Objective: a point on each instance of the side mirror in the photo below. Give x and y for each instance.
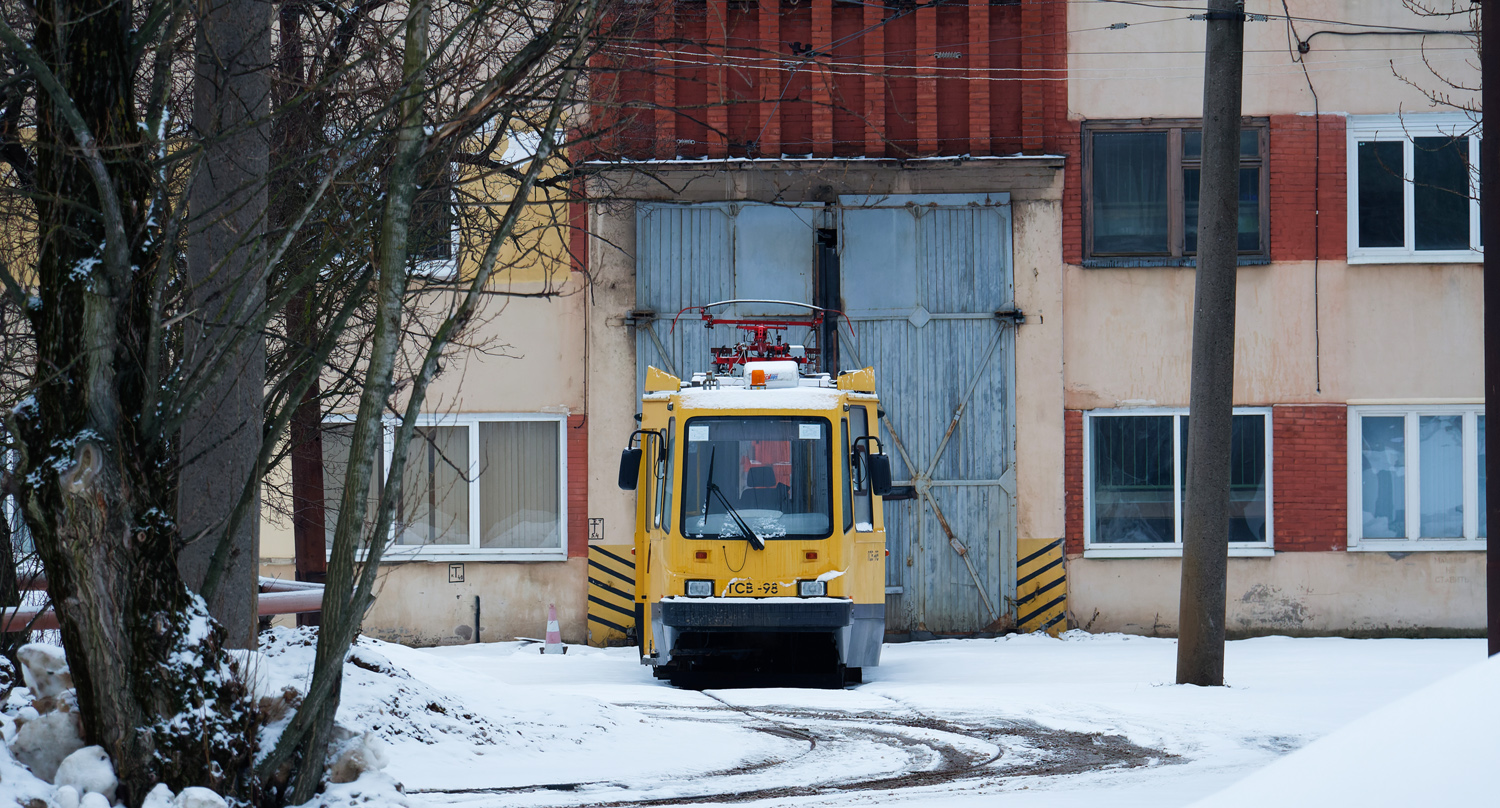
(901, 492)
(880, 474)
(630, 469)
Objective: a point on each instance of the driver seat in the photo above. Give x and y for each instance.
(761, 489)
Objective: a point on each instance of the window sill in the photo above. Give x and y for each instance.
(1418, 546)
(1435, 257)
(1141, 262)
(1170, 551)
(420, 555)
(439, 270)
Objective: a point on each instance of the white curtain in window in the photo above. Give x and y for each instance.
(435, 507)
(518, 485)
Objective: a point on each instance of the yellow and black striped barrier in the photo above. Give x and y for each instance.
(1041, 586)
(611, 595)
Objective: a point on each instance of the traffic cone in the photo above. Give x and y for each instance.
(554, 643)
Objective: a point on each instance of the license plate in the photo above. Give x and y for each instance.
(758, 589)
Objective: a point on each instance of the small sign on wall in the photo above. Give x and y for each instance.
(596, 528)
(456, 573)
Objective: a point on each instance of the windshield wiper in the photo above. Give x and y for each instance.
(748, 532)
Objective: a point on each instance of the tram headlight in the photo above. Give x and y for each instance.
(812, 589)
(700, 589)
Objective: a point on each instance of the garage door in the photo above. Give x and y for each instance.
(922, 279)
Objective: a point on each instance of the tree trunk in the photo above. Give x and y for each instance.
(293, 139)
(222, 436)
(152, 684)
(1205, 531)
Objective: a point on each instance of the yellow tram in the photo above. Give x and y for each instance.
(759, 542)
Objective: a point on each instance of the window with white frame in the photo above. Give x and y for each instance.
(1416, 478)
(1134, 469)
(1413, 188)
(487, 486)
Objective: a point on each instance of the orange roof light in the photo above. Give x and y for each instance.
(757, 378)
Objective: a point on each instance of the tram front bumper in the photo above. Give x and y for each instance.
(857, 629)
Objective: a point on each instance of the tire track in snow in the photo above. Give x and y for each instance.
(897, 752)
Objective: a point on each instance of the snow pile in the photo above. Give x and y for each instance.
(381, 697)
(45, 712)
(1437, 745)
(88, 771)
(377, 696)
(43, 761)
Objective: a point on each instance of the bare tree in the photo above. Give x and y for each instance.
(130, 346)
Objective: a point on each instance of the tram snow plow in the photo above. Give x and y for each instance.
(759, 540)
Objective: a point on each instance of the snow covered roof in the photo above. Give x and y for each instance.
(735, 398)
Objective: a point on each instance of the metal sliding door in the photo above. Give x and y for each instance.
(923, 278)
(689, 255)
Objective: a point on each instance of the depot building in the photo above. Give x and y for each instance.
(1004, 213)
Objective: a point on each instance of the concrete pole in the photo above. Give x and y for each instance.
(222, 437)
(1205, 532)
(1489, 223)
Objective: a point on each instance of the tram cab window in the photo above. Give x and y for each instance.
(859, 427)
(774, 471)
(847, 488)
(662, 466)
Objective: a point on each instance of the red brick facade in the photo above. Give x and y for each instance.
(1309, 477)
(773, 77)
(1306, 208)
(1073, 481)
(578, 486)
(1307, 192)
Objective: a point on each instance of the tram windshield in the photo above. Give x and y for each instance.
(774, 473)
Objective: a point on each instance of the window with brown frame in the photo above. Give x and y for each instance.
(1140, 192)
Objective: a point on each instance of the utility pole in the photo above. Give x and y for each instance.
(1205, 532)
(1489, 224)
(226, 276)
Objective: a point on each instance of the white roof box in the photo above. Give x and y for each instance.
(780, 373)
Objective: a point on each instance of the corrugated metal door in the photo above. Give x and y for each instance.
(689, 255)
(922, 278)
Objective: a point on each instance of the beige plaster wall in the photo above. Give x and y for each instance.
(1372, 332)
(532, 358)
(613, 399)
(1039, 368)
(416, 605)
(1163, 76)
(1339, 593)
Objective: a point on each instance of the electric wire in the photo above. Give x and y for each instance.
(1291, 30)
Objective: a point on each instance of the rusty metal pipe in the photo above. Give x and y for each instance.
(291, 601)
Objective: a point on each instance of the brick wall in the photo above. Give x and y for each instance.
(1072, 225)
(1073, 481)
(732, 79)
(578, 486)
(1309, 477)
(1308, 176)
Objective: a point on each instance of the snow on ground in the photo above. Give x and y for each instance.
(1019, 721)
(611, 723)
